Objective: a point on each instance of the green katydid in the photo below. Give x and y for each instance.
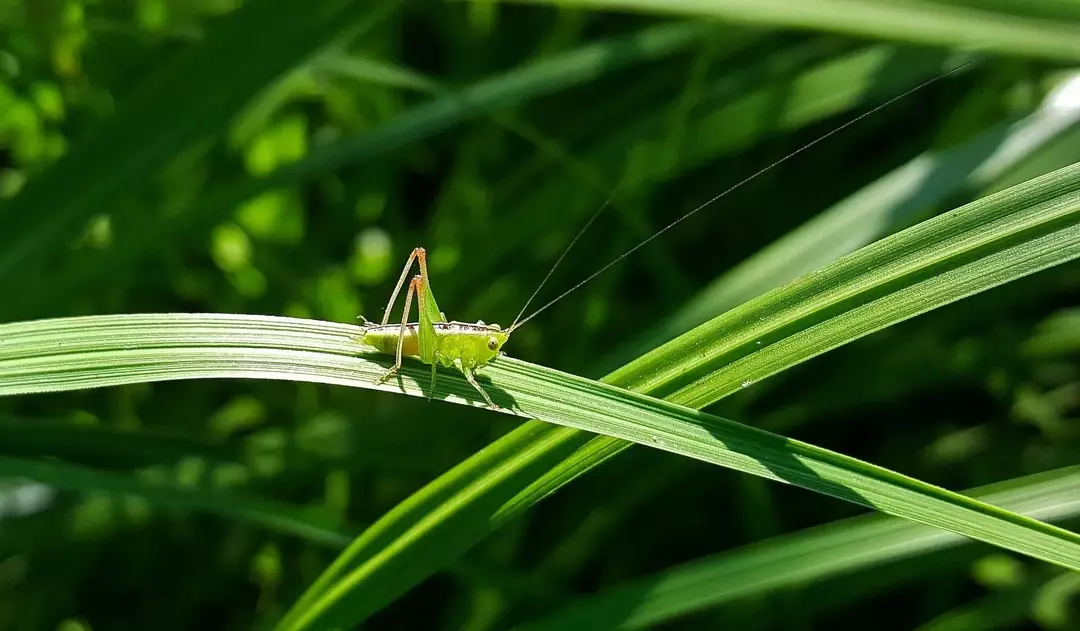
(434, 340)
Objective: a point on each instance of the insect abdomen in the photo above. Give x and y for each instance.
(385, 339)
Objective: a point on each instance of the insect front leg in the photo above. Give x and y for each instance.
(401, 334)
(470, 374)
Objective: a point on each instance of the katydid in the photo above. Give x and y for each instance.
(434, 340)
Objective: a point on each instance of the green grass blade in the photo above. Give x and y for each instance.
(1007, 608)
(491, 474)
(23, 371)
(1013, 233)
(193, 97)
(915, 21)
(114, 350)
(107, 447)
(364, 70)
(1057, 335)
(857, 544)
(275, 516)
(522, 84)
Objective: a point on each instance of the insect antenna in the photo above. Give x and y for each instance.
(565, 251)
(519, 321)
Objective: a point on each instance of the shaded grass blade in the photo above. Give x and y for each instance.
(103, 446)
(731, 121)
(520, 85)
(275, 516)
(915, 21)
(848, 546)
(866, 215)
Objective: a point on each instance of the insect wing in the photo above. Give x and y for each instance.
(429, 313)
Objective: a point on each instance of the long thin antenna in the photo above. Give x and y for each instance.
(739, 184)
(562, 256)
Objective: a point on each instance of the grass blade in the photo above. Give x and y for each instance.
(1019, 231)
(856, 544)
(114, 350)
(275, 516)
(1013, 233)
(491, 475)
(102, 446)
(915, 21)
(868, 214)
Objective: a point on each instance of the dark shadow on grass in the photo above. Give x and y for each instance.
(420, 373)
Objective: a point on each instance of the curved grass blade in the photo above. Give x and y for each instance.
(915, 21)
(857, 544)
(491, 475)
(77, 353)
(102, 446)
(197, 94)
(978, 246)
(275, 516)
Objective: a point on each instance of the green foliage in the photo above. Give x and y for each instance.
(884, 316)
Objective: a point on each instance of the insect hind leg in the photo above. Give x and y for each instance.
(401, 334)
(417, 254)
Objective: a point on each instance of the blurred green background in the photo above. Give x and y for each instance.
(284, 157)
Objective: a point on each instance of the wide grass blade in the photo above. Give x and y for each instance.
(486, 490)
(915, 21)
(77, 353)
(858, 544)
(988, 242)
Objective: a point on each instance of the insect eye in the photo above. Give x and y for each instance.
(493, 344)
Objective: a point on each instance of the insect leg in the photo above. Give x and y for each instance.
(417, 253)
(432, 390)
(470, 375)
(401, 335)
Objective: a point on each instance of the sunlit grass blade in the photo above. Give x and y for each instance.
(196, 94)
(76, 353)
(846, 547)
(492, 473)
(915, 21)
(981, 245)
(275, 516)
